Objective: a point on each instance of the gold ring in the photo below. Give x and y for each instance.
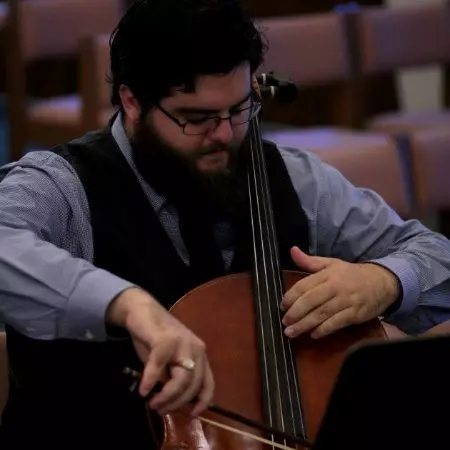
(188, 364)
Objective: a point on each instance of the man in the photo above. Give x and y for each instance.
(102, 235)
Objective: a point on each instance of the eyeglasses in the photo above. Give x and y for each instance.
(196, 127)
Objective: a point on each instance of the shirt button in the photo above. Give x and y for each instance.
(88, 335)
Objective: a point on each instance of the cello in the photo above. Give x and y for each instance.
(271, 391)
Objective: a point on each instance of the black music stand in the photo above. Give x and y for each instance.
(393, 395)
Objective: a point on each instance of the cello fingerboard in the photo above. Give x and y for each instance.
(280, 390)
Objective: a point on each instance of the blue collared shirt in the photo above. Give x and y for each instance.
(49, 287)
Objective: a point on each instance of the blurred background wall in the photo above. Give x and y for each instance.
(419, 88)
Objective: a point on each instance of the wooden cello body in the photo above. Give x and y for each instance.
(259, 373)
(224, 318)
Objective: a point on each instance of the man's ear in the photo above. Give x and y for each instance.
(130, 104)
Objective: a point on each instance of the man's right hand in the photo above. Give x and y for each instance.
(161, 342)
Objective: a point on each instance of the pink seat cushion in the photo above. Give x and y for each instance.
(367, 160)
(408, 122)
(325, 138)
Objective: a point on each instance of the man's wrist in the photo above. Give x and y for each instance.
(392, 290)
(120, 307)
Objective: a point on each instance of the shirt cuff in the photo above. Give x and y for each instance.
(84, 318)
(409, 282)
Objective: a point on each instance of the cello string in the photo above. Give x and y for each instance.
(258, 266)
(264, 262)
(274, 260)
(256, 153)
(294, 393)
(275, 295)
(259, 295)
(259, 245)
(270, 279)
(289, 364)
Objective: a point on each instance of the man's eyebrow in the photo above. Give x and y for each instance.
(193, 109)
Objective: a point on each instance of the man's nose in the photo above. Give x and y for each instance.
(223, 133)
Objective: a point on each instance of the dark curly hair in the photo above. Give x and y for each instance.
(162, 44)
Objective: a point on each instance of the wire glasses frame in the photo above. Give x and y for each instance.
(209, 124)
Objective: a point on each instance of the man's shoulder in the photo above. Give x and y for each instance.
(93, 137)
(298, 160)
(299, 157)
(294, 155)
(43, 176)
(40, 160)
(56, 157)
(83, 144)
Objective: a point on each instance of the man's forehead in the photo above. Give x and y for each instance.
(213, 91)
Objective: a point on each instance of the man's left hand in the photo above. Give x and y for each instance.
(336, 294)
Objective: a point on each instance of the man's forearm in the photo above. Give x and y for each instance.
(45, 293)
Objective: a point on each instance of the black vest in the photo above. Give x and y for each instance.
(70, 392)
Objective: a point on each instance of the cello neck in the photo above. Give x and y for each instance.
(280, 391)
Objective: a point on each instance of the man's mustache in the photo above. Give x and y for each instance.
(226, 148)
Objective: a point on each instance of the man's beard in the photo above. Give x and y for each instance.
(215, 196)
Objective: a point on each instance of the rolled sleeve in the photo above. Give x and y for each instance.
(49, 285)
(401, 268)
(84, 315)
